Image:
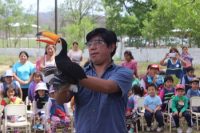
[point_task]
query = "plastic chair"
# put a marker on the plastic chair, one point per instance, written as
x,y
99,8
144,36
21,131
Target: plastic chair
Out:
x,y
16,110
1,113
195,102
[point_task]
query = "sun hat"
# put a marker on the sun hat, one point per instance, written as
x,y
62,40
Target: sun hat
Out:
x,y
195,80
180,87
8,73
41,86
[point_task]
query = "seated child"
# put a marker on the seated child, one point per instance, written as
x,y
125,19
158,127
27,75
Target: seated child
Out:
x,y
179,108
152,105
57,114
167,92
132,106
194,91
8,79
37,77
187,78
12,99
41,98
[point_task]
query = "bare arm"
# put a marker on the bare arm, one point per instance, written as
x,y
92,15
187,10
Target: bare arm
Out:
x,y
100,85
162,62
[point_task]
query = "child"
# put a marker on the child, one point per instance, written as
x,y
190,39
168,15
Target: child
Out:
x,y
179,108
39,102
37,77
194,91
187,78
132,105
152,105
57,114
167,92
12,99
150,77
8,79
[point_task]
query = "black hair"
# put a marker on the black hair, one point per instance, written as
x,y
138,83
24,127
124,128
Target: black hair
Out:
x,y
174,49
107,35
168,77
137,90
188,69
75,43
24,52
151,85
38,73
127,52
47,45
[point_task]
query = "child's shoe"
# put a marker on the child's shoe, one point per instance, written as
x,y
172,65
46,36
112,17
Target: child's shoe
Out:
x,y
40,127
189,130
159,129
179,130
148,129
35,126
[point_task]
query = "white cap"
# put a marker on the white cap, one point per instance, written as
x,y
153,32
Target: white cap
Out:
x,y
8,73
41,86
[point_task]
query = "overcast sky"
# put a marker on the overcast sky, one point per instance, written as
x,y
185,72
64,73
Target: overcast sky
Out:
x,y
45,5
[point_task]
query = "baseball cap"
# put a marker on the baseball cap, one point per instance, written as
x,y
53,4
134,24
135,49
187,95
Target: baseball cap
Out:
x,y
8,73
41,86
180,87
154,66
194,80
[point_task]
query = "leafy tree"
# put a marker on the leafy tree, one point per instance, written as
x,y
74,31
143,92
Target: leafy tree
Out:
x,y
76,19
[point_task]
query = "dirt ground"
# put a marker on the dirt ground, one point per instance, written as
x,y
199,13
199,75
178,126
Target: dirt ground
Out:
x,y
3,68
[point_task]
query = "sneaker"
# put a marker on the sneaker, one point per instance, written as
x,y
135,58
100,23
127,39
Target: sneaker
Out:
x,y
148,129
35,126
189,130
159,129
179,130
40,126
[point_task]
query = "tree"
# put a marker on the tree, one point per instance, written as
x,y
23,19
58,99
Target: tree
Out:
x,y
76,19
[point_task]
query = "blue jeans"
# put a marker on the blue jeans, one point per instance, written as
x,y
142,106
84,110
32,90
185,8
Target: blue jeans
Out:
x,y
149,116
187,118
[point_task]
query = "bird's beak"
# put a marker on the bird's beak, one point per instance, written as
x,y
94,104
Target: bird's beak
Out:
x,y
47,37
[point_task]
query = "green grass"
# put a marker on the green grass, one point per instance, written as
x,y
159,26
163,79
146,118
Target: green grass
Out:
x,y
23,43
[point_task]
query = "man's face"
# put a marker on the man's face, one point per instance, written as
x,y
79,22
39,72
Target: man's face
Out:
x,y
99,51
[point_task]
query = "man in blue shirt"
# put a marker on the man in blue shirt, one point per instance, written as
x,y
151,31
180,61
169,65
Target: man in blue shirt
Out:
x,y
101,99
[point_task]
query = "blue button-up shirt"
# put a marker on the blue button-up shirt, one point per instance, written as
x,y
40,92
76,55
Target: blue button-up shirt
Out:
x,y
97,112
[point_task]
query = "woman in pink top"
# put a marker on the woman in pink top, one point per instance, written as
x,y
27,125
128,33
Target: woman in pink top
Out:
x,y
130,62
47,64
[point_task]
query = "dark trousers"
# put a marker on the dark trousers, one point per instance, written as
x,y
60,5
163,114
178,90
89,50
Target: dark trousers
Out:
x,y
187,118
24,93
149,116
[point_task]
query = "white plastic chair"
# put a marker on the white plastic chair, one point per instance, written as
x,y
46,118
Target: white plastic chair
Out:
x,y
141,108
1,114
16,110
195,102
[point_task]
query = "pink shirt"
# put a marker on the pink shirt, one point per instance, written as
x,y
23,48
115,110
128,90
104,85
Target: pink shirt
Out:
x,y
131,65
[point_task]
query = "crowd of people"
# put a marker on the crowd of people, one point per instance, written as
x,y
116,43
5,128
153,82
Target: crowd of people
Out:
x,y
109,93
